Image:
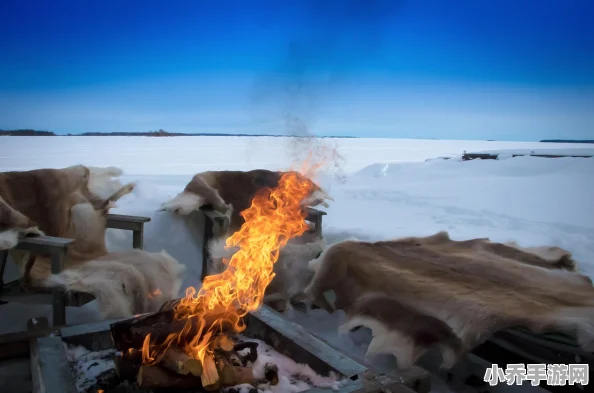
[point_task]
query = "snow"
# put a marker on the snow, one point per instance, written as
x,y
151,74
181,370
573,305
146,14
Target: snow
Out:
x,y
383,188
87,366
293,377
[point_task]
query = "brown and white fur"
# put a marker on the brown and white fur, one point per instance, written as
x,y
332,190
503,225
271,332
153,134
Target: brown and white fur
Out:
x,y
292,273
401,330
69,204
229,193
476,287
125,283
14,224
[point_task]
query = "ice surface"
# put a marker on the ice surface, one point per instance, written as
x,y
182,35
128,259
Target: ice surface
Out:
x,y
391,190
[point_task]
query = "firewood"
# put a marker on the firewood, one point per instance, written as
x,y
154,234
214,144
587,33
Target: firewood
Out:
x,y
234,375
127,363
174,359
271,373
252,356
169,305
130,333
231,375
154,377
223,343
210,375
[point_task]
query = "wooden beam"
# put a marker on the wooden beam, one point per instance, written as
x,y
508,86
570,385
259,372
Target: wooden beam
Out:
x,y
43,244
50,369
130,223
16,344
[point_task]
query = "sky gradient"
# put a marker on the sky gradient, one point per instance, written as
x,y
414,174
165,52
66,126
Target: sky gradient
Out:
x,y
504,70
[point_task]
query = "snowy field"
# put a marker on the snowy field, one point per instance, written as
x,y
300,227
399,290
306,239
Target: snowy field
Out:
x,y
383,188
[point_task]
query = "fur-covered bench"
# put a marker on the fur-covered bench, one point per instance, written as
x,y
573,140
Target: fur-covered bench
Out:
x,y
57,247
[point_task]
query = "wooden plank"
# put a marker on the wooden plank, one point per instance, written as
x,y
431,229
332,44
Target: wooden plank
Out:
x,y
43,244
95,336
126,218
58,302
50,366
35,324
17,343
294,341
14,292
315,212
208,233
130,223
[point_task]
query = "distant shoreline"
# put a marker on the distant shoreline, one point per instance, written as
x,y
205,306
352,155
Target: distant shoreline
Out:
x,y
163,134
567,140
157,134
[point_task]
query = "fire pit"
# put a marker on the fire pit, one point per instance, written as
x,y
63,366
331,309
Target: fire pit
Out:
x,y
216,338
94,365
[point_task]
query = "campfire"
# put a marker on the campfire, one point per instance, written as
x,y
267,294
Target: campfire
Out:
x,y
195,342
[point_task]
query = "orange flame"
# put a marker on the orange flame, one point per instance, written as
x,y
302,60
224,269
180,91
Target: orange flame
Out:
x,y
155,293
274,217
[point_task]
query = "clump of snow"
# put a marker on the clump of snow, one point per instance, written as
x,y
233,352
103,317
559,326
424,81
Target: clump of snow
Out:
x,y
88,366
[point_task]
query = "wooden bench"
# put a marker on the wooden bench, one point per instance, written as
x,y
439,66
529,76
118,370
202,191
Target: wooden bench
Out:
x,y
212,217
57,248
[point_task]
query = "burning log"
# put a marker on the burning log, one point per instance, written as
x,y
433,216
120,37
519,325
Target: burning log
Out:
x,y
153,377
223,343
210,375
131,333
179,362
127,363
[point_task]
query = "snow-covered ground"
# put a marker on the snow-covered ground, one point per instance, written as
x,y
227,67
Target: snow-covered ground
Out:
x,y
382,188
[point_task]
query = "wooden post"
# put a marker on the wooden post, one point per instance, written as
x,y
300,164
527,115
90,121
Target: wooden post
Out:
x,y
3,260
138,238
208,224
129,223
58,304
315,216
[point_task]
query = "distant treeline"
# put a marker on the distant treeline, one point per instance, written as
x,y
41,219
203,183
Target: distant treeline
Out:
x,y
160,133
26,133
568,140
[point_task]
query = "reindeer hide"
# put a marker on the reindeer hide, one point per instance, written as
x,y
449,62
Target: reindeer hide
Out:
x,y
418,292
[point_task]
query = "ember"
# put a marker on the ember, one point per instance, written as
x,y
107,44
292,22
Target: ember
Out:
x,y
188,343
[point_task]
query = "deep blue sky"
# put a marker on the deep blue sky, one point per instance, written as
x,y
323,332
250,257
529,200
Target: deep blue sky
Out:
x,y
475,69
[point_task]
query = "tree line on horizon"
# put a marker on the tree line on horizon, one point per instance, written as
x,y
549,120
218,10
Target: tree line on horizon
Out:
x,y
159,133
163,133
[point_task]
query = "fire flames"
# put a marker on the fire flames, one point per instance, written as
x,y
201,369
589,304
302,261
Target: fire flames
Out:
x,y
274,217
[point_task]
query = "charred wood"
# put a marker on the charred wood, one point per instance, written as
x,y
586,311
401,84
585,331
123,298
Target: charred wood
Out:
x,y
153,377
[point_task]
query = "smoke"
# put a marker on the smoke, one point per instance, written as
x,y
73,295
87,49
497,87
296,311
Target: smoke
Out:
x,y
334,39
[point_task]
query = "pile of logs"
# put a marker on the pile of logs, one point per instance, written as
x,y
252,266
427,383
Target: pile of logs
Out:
x,y
226,364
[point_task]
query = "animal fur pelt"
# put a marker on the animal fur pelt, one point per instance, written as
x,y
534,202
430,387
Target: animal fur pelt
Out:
x,y
124,282
67,203
230,192
291,269
45,196
470,288
14,224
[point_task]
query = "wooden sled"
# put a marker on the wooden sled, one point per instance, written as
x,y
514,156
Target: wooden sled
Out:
x,y
57,248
